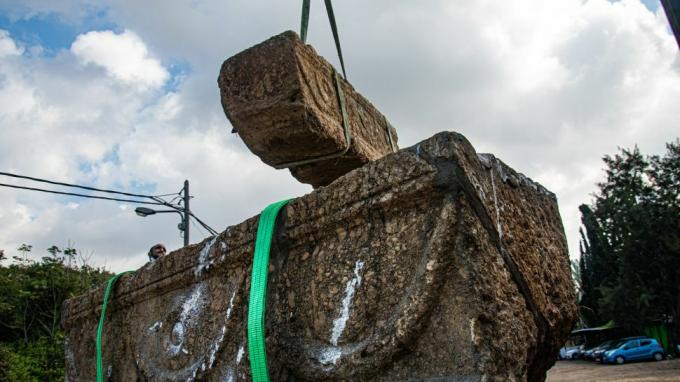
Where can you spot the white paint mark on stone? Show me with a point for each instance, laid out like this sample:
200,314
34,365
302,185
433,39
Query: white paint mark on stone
229,377
203,263
231,304
193,375
215,347
350,289
70,358
332,354
501,171
156,325
190,309
485,159
473,335
239,354
495,202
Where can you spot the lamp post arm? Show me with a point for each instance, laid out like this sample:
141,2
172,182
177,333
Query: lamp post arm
167,211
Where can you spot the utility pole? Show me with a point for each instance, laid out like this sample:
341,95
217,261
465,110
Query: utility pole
186,216
184,213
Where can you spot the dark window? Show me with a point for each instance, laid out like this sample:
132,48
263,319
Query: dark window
645,343
631,345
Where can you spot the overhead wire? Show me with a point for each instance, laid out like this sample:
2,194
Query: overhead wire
77,185
175,198
79,195
198,227
210,229
171,194
157,200
207,227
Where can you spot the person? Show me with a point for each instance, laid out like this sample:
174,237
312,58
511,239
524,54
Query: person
157,251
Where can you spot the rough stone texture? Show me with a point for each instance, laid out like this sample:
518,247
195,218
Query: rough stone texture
280,97
433,263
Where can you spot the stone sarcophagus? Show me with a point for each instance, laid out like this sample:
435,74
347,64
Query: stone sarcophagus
432,263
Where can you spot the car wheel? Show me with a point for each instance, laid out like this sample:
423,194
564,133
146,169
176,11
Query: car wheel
620,360
658,356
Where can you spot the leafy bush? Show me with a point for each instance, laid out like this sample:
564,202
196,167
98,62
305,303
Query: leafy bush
31,338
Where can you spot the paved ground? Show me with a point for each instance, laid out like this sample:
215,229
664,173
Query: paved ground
567,371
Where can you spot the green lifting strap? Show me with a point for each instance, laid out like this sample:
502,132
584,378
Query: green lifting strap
304,21
258,292
100,327
331,18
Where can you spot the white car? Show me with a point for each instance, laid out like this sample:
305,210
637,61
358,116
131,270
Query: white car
573,352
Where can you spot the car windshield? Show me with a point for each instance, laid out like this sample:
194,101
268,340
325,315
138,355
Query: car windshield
617,344
604,344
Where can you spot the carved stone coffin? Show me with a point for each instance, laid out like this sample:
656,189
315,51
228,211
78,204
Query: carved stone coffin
434,263
281,99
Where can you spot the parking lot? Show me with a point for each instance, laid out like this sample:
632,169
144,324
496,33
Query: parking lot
579,370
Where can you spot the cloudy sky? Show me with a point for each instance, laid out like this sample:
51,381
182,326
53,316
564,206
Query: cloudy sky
123,94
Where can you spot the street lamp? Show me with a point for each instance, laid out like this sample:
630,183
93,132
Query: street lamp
144,212
184,213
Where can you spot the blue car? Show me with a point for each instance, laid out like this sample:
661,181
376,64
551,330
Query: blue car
598,355
635,350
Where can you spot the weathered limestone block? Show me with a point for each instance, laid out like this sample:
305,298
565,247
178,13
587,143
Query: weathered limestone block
433,263
281,98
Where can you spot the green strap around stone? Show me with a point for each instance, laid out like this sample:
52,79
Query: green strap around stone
258,292
100,327
304,23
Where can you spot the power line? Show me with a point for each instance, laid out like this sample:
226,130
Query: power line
80,195
172,194
198,227
157,200
77,186
215,233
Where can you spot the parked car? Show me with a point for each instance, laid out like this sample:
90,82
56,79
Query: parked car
573,352
598,355
590,353
635,350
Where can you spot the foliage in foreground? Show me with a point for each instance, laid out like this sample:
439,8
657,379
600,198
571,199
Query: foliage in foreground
630,242
31,339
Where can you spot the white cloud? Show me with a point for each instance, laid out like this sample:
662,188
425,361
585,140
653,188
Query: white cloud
7,45
124,56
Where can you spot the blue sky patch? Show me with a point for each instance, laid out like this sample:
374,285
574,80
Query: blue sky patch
51,32
652,5
178,71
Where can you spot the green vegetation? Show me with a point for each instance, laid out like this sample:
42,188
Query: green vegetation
629,270
31,339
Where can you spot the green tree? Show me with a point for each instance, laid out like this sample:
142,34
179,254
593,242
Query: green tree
31,339
630,240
